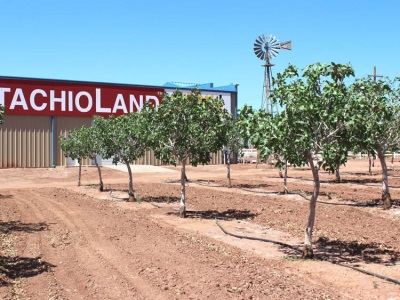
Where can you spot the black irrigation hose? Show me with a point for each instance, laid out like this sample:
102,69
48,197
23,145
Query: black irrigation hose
126,199
257,239
299,250
118,198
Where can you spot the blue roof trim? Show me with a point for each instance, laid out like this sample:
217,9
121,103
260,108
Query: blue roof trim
205,86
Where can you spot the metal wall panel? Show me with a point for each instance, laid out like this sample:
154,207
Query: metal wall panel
63,124
25,142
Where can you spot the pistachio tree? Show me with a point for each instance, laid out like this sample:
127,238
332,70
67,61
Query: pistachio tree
235,141
124,140
375,125
271,136
316,104
186,128
82,143
337,154
73,145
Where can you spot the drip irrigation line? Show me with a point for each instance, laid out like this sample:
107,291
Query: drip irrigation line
300,251
257,239
118,198
127,198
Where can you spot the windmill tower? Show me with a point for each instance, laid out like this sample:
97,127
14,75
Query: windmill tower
267,47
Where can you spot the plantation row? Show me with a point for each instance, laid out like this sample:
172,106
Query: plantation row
323,119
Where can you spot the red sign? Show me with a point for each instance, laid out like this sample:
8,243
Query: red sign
67,98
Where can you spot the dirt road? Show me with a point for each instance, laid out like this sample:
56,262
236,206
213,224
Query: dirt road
64,242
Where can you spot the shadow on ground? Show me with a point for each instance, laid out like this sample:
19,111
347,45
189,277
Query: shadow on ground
356,252
7,227
21,267
162,199
228,215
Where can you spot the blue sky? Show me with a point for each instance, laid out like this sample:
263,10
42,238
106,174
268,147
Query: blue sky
153,42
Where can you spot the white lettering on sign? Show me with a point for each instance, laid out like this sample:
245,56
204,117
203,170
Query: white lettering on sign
132,101
78,103
119,104
33,102
61,101
54,99
2,94
70,101
18,99
100,109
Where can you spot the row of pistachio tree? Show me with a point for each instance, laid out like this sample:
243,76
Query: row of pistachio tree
184,128
323,119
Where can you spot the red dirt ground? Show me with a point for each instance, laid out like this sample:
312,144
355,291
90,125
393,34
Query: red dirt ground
60,241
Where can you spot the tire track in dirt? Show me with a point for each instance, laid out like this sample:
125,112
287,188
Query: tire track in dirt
32,246
94,253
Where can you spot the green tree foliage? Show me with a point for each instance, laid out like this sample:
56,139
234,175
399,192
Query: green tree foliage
2,112
73,146
271,136
235,142
316,105
186,128
83,143
124,139
375,124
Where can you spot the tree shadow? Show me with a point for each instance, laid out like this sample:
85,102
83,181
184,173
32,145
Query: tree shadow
228,215
10,226
6,196
361,181
250,186
22,267
356,252
162,199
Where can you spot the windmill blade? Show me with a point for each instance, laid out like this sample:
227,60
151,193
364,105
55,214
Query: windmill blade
257,51
274,40
258,41
274,52
260,54
276,46
257,46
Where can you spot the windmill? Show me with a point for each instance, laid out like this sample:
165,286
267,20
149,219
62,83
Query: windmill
267,47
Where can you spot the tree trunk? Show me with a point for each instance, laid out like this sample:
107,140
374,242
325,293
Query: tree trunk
258,158
79,172
101,187
131,193
182,209
392,161
337,173
228,168
370,163
386,198
308,250
285,189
